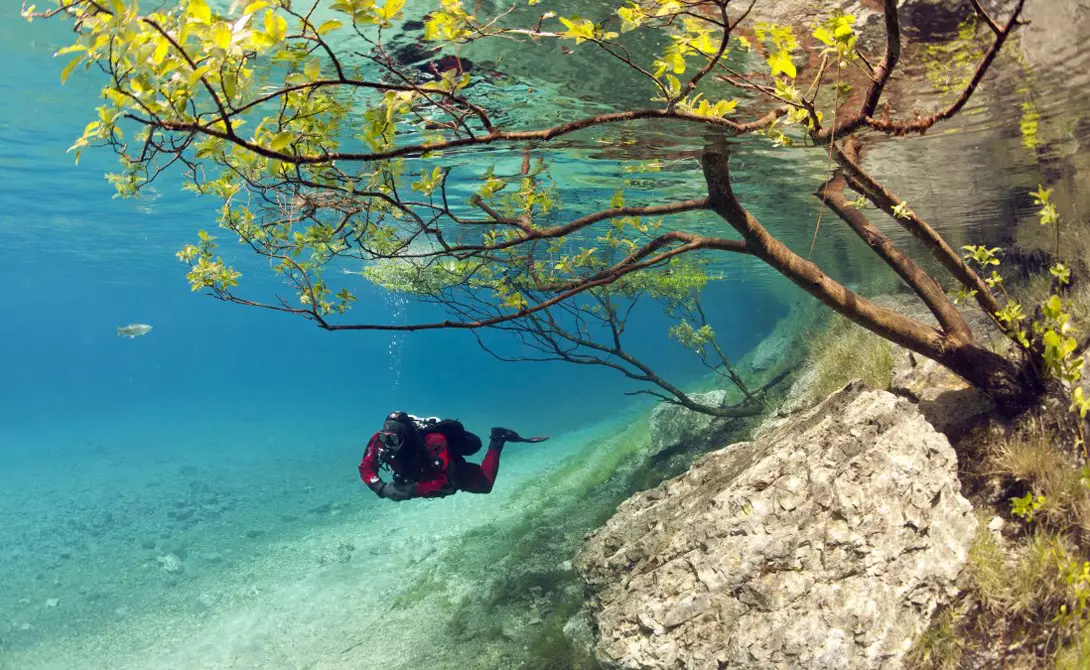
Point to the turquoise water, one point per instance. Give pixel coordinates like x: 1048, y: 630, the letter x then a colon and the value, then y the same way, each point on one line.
x: 227, y: 439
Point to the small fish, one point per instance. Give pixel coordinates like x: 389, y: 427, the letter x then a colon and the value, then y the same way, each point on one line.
x: 132, y: 330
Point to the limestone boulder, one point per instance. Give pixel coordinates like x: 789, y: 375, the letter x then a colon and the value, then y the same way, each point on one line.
x: 826, y: 543
x: 673, y: 426
x: 946, y: 400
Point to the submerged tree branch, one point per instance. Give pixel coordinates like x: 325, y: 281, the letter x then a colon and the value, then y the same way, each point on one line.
x: 929, y: 290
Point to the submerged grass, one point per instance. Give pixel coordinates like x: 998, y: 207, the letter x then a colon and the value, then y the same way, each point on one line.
x: 843, y: 352
x: 507, y: 589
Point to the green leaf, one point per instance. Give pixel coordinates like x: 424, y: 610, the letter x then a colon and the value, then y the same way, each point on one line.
x: 329, y: 26
x: 281, y: 141
x: 825, y: 36
x: 578, y: 28
x: 221, y: 35
x: 199, y: 11
x: 313, y: 69
x: 781, y: 62
x: 71, y: 66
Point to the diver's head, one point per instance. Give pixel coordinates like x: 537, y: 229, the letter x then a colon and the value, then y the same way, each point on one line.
x: 397, y: 435
x: 392, y: 440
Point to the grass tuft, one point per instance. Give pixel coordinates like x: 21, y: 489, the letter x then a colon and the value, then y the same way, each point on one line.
x: 844, y: 352
x: 940, y: 647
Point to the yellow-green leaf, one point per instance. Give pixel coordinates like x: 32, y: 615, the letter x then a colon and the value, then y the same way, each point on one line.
x: 72, y: 48
x: 579, y: 29
x: 825, y: 36
x: 281, y: 141
x: 275, y: 26
x: 328, y: 26
x: 199, y: 11
x: 71, y: 66
x: 254, y: 7
x: 781, y: 62
x: 221, y: 35
x: 197, y: 74
x: 160, y: 52
x: 391, y: 8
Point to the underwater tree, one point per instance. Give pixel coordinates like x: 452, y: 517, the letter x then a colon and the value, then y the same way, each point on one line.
x: 331, y: 135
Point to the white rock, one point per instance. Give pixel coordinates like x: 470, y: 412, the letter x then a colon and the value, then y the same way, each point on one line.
x: 673, y: 425
x: 827, y: 543
x: 171, y: 563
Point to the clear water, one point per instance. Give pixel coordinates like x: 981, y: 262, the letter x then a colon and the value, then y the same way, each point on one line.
x: 230, y: 438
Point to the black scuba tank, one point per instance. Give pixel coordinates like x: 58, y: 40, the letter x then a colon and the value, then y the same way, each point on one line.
x: 461, y: 441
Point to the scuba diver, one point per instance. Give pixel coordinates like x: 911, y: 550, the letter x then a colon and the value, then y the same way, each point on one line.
x: 426, y: 458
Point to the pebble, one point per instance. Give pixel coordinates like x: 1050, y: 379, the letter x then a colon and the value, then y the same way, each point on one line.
x: 171, y: 563
x: 52, y: 602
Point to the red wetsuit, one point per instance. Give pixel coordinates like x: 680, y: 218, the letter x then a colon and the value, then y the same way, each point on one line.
x: 439, y: 473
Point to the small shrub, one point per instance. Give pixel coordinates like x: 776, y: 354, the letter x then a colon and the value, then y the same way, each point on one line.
x: 1027, y: 506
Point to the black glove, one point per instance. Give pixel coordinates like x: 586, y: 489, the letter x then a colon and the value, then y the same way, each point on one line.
x: 396, y: 491
x: 508, y: 435
x: 504, y: 434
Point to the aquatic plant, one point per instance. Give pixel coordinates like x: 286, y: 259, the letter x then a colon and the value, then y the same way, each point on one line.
x: 313, y: 132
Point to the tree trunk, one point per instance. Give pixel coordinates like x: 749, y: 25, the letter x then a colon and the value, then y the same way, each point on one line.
x: 1012, y: 385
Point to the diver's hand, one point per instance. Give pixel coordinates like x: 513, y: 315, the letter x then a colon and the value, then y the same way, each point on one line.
x: 397, y: 492
x: 508, y: 435
x: 447, y: 490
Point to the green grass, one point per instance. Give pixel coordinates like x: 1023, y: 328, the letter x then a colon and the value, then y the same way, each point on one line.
x: 514, y: 563
x: 843, y: 352
x: 1074, y: 654
x: 1026, y: 604
x: 940, y: 647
